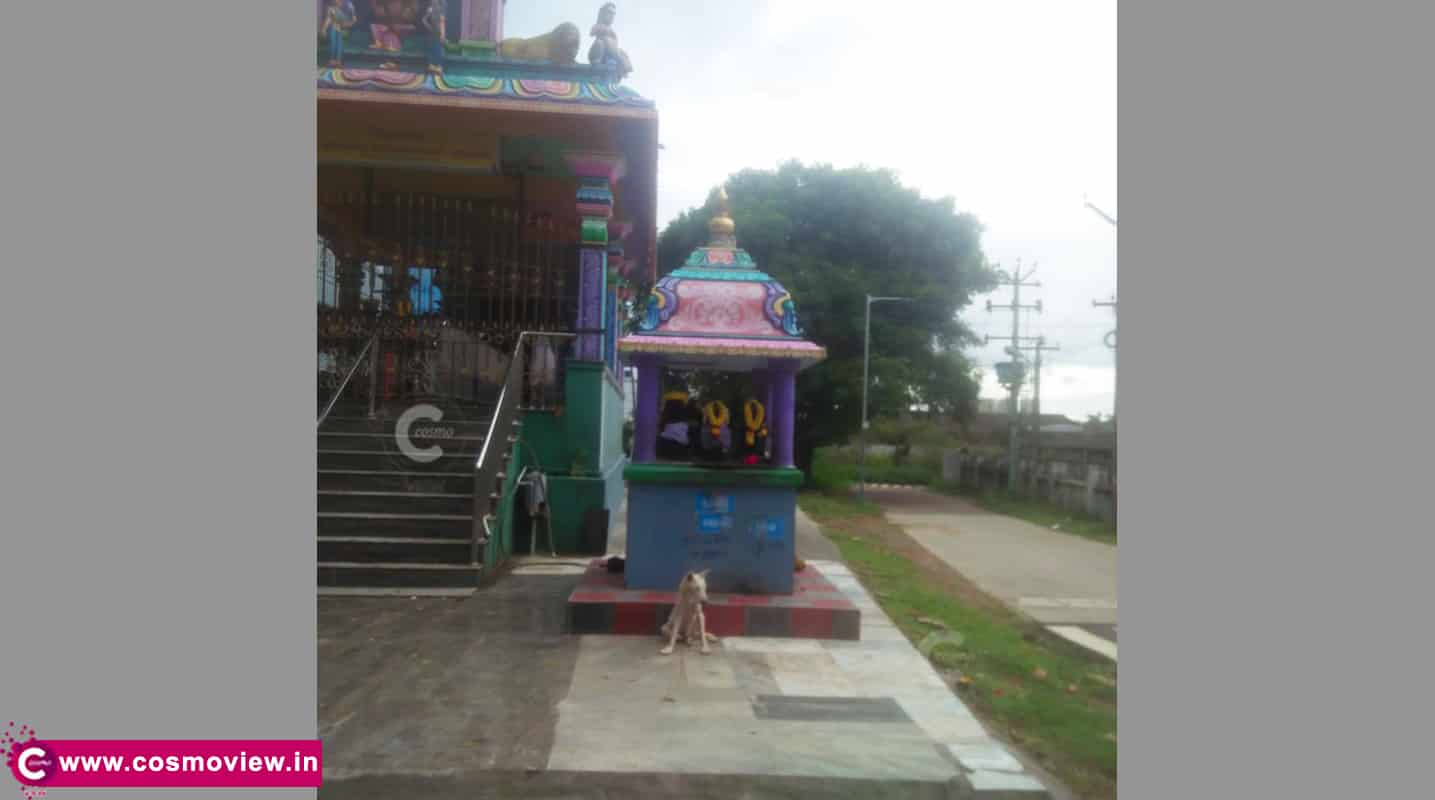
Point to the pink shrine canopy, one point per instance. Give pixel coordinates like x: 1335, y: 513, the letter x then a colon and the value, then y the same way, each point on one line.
x: 718, y: 311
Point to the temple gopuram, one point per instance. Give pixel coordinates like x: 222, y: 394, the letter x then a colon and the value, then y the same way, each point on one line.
x: 485, y: 204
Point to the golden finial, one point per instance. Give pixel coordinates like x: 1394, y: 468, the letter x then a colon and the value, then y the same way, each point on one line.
x: 721, y: 227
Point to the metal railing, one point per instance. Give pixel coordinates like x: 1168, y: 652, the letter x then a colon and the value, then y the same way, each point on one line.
x: 519, y: 393
x: 358, y: 362
x: 413, y: 361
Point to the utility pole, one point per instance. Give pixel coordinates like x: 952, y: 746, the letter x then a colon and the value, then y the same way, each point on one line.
x: 1039, y: 347
x: 1016, y: 280
x: 866, y: 352
x: 1111, y: 343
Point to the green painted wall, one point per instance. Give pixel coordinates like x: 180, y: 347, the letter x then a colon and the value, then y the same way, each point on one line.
x: 500, y: 546
x: 572, y: 497
x: 583, y: 400
x: 545, y: 442
x: 590, y: 426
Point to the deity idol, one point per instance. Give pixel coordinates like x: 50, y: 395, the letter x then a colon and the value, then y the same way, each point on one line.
x: 605, y: 49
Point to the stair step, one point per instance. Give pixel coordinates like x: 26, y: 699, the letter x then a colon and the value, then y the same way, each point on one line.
x: 410, y: 503
x: 393, y: 550
x: 396, y: 473
x: 382, y: 493
x: 473, y: 423
x: 423, y: 526
x: 393, y: 591
x: 398, y: 574
x: 386, y: 442
x: 393, y: 461
x: 395, y: 481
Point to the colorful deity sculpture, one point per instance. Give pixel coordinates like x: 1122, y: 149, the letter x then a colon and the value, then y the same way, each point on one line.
x: 389, y: 20
x: 558, y: 46
x: 338, y: 19
x: 605, y: 49
x: 433, y: 24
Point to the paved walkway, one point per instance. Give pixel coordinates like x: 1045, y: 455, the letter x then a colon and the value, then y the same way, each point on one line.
x: 1063, y: 581
x: 867, y: 710
x: 488, y: 696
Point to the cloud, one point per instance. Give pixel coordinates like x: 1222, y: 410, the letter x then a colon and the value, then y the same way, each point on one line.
x: 1010, y: 108
x: 1076, y: 391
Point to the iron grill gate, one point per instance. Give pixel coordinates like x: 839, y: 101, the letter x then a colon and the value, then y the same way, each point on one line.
x: 446, y: 282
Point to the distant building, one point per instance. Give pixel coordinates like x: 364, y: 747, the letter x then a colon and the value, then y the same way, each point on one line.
x: 1000, y: 405
x: 1054, y: 423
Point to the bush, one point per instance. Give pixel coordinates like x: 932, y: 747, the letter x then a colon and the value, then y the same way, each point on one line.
x: 830, y: 477
x: 834, y: 470
x: 907, y: 434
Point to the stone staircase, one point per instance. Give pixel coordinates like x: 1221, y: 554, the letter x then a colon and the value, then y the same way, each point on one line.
x: 389, y: 524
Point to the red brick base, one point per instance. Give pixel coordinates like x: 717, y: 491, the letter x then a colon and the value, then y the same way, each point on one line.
x: 815, y: 609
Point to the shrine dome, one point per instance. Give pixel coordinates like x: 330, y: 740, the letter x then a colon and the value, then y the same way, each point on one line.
x: 720, y: 311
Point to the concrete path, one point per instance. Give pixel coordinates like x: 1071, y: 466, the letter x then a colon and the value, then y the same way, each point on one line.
x: 1063, y: 581
x: 871, y: 710
x: 488, y: 696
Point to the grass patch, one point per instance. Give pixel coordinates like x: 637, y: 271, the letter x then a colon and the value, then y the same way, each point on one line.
x: 1051, y: 698
x: 1039, y: 512
x: 834, y: 473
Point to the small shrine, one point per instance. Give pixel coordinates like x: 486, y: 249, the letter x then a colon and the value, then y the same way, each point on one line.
x: 712, y: 484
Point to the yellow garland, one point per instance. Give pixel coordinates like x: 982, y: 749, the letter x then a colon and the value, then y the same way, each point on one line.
x: 716, y: 415
x: 681, y: 397
x: 754, y: 415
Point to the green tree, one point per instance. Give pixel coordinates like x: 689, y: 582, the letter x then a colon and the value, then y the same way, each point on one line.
x: 832, y: 236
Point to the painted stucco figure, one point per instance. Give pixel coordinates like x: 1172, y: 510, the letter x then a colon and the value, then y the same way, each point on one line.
x: 338, y: 19
x: 789, y: 318
x: 605, y: 49
x: 433, y: 23
x: 558, y: 46
x: 661, y: 305
x: 389, y: 20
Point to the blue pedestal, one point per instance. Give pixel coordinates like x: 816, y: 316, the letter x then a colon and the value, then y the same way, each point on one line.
x: 742, y: 534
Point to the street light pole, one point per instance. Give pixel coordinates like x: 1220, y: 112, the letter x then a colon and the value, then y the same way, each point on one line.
x: 866, y: 355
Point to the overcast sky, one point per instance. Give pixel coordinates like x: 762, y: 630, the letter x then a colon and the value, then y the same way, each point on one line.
x: 1009, y: 107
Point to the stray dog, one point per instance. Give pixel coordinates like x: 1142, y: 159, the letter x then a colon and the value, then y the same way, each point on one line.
x: 687, y: 620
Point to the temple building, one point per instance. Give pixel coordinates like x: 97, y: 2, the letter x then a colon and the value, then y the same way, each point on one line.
x: 485, y: 205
